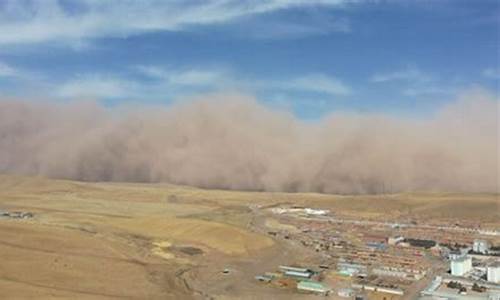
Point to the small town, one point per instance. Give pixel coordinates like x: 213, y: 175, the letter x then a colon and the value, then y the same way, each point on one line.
x: 363, y: 259
x: 250, y: 149
x: 247, y: 245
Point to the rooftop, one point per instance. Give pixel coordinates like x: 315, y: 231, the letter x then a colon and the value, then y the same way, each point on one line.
x: 495, y: 264
x: 312, y: 286
x: 461, y: 259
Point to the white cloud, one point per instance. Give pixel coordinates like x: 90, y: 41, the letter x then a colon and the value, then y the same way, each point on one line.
x: 187, y: 77
x: 491, y: 73
x: 221, y: 78
x: 164, y: 83
x: 45, y: 21
x: 410, y: 73
x: 161, y: 82
x: 14, y: 72
x: 271, y: 28
x: 429, y: 90
x: 414, y: 82
x: 319, y: 83
x: 8, y: 71
x: 96, y: 86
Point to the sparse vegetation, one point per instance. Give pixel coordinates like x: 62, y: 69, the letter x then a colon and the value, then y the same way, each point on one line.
x: 160, y: 246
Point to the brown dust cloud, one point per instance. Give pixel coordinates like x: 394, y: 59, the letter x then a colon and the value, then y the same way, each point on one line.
x: 231, y: 141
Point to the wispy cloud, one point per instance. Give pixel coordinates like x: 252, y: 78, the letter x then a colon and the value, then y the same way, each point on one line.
x: 491, y: 73
x: 52, y: 20
x: 96, y: 86
x: 14, y: 72
x: 186, y: 77
x: 223, y: 78
x: 431, y: 90
x: 413, y: 82
x: 8, y: 71
x: 276, y: 28
x: 145, y: 82
x: 410, y: 73
x: 155, y: 82
x: 318, y: 83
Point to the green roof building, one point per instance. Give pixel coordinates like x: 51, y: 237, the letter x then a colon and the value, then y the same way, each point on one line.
x: 313, y: 286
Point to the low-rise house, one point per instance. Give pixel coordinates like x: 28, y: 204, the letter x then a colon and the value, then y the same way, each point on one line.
x: 480, y: 246
x: 345, y: 293
x: 297, y: 274
x: 394, y: 240
x: 263, y: 278
x: 313, y: 286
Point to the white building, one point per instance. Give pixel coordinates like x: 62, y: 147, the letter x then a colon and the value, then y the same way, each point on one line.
x: 480, y: 246
x: 397, y: 272
x: 494, y: 295
x: 394, y: 240
x: 493, y: 273
x: 461, y: 266
x: 345, y: 293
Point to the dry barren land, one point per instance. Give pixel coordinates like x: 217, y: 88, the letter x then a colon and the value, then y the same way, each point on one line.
x: 159, y: 241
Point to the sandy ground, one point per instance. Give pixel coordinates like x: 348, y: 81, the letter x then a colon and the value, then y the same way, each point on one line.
x: 159, y: 241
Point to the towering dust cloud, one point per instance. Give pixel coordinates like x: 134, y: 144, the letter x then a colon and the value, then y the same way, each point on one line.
x: 232, y: 142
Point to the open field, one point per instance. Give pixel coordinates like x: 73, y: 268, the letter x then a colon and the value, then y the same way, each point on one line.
x: 160, y: 241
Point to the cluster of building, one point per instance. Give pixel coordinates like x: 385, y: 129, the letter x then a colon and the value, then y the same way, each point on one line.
x: 382, y: 257
x: 463, y: 267
x: 352, y: 269
x: 474, y: 273
x: 486, y: 265
x: 303, y: 279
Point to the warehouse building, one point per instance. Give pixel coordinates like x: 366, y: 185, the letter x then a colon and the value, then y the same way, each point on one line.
x: 295, y: 272
x: 313, y: 286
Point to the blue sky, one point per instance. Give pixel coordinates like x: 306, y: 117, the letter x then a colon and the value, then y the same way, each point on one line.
x: 311, y: 57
